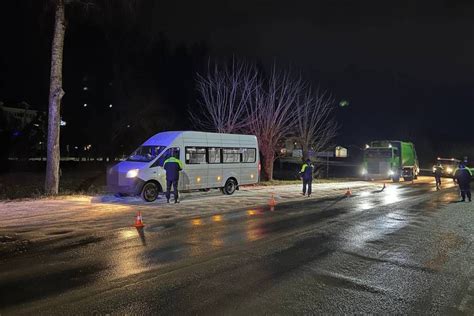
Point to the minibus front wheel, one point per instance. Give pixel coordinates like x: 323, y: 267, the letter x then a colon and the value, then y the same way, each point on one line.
x: 150, y: 191
x: 230, y: 187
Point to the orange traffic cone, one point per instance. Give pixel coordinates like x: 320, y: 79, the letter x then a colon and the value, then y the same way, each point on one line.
x: 139, y: 220
x: 272, y: 201
x: 348, y: 192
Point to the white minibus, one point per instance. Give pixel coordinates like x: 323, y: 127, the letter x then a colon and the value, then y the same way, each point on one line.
x: 210, y: 160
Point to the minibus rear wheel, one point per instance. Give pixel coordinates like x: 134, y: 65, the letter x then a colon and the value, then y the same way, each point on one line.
x: 150, y: 191
x: 230, y: 187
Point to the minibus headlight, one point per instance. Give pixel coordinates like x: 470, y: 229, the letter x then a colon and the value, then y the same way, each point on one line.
x: 132, y: 173
x: 449, y: 170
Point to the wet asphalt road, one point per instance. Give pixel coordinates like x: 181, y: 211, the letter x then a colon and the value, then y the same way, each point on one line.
x: 392, y: 251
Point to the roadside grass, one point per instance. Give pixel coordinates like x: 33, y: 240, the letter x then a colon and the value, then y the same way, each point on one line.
x: 22, y: 185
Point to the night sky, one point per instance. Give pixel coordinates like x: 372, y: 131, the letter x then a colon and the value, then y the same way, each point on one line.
x: 406, y: 67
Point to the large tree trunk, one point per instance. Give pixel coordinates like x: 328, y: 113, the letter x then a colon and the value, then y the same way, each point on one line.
x: 268, y: 160
x: 56, y: 93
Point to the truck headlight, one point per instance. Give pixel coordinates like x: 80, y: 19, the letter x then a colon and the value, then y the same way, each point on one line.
x: 390, y: 172
x: 132, y: 173
x: 364, y: 171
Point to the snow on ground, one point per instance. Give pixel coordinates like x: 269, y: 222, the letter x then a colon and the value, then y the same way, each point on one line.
x: 49, y: 218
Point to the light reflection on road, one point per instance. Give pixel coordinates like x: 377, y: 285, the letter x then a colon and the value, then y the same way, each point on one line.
x: 217, y: 218
x: 359, y: 235
x: 391, y: 195
x: 196, y: 222
x: 128, y: 233
x: 254, y: 231
x: 128, y: 259
x: 365, y: 205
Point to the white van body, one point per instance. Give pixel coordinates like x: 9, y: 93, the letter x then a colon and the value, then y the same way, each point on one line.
x: 210, y: 160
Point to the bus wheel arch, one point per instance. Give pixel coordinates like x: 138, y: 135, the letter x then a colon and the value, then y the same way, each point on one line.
x: 150, y: 191
x: 230, y: 186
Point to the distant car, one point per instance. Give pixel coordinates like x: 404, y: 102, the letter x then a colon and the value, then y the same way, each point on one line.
x: 449, y: 165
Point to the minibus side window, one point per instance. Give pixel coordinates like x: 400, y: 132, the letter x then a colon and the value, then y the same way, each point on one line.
x: 214, y: 155
x: 231, y: 155
x: 249, y: 155
x: 195, y: 155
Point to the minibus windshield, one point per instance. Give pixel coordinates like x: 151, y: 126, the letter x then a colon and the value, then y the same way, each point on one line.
x: 146, y: 153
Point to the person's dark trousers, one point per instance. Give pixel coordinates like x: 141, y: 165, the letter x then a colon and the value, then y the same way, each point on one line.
x: 438, y: 182
x: 307, y: 186
x: 173, y: 183
x: 465, y: 191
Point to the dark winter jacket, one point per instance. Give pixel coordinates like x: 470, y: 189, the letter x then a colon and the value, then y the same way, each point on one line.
x: 463, y: 176
x: 438, y: 171
x: 172, y: 166
x: 307, y: 170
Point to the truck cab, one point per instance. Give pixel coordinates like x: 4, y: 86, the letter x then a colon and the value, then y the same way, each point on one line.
x: 390, y: 160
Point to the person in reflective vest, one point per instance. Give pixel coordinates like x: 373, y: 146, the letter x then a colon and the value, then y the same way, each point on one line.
x: 306, y: 174
x: 463, y: 176
x: 173, y: 166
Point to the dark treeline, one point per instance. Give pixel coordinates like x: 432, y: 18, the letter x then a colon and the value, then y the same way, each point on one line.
x: 122, y: 82
x: 125, y: 60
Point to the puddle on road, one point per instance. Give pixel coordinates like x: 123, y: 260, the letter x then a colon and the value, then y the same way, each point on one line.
x: 192, y: 237
x: 358, y: 236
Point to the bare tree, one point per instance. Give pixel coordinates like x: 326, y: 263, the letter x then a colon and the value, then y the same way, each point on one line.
x: 271, y: 114
x: 225, y: 94
x: 315, y: 128
x: 56, y: 91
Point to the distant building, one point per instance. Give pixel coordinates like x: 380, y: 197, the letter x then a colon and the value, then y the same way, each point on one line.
x: 292, y: 148
x: 341, y: 152
x: 17, y: 117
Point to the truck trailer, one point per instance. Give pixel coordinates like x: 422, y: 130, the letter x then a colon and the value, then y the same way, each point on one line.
x: 390, y: 159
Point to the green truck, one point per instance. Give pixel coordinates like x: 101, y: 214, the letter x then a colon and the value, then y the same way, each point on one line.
x: 390, y: 159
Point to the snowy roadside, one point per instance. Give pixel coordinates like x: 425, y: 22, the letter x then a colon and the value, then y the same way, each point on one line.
x: 50, y: 217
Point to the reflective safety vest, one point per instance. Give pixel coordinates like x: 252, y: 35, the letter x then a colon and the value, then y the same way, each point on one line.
x: 307, y: 171
x: 172, y: 166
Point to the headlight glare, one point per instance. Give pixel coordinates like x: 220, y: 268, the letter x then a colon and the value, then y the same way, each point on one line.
x: 132, y: 173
